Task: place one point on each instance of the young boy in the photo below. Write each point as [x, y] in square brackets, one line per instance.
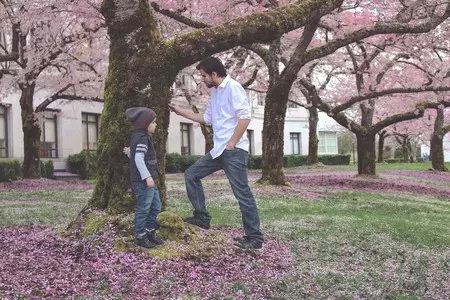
[143, 172]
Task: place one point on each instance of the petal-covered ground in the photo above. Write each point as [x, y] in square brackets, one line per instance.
[36, 263]
[44, 184]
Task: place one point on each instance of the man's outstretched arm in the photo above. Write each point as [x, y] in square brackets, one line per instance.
[196, 117]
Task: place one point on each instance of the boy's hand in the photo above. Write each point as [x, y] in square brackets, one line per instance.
[150, 182]
[126, 151]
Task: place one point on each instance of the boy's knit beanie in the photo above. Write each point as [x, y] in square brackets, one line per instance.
[140, 117]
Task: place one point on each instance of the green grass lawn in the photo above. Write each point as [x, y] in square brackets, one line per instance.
[346, 243]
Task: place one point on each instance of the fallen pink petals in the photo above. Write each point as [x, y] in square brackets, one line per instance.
[35, 262]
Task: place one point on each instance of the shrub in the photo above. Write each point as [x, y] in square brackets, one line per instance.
[10, 170]
[295, 160]
[47, 169]
[255, 161]
[176, 163]
[341, 159]
[83, 163]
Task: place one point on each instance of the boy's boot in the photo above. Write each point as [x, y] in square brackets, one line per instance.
[151, 234]
[144, 241]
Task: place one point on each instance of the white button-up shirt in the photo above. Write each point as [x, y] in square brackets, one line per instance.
[228, 105]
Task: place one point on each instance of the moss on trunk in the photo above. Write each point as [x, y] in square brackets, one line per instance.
[273, 138]
[31, 133]
[138, 75]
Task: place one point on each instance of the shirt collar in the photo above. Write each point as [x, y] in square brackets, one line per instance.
[224, 81]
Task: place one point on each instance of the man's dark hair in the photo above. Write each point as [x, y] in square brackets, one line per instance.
[212, 64]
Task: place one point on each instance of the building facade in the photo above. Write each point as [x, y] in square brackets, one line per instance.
[69, 127]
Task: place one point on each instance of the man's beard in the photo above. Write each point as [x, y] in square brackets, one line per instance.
[210, 85]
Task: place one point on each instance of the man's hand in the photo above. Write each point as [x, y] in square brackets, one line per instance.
[230, 146]
[175, 109]
[150, 182]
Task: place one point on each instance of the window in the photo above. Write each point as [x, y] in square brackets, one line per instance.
[328, 142]
[250, 141]
[185, 129]
[295, 143]
[48, 137]
[261, 97]
[291, 105]
[90, 125]
[3, 133]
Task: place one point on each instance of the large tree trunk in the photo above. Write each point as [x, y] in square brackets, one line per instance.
[31, 133]
[437, 143]
[381, 138]
[207, 131]
[139, 75]
[209, 137]
[273, 138]
[366, 154]
[313, 143]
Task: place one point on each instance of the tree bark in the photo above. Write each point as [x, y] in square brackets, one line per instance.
[381, 138]
[31, 133]
[313, 145]
[273, 139]
[139, 74]
[437, 143]
[366, 153]
[405, 150]
[206, 131]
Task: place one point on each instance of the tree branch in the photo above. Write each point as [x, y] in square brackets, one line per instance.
[59, 95]
[257, 27]
[341, 118]
[386, 92]
[417, 113]
[380, 28]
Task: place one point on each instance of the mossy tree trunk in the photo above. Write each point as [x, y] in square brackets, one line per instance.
[31, 132]
[142, 70]
[313, 144]
[437, 142]
[273, 138]
[139, 75]
[366, 153]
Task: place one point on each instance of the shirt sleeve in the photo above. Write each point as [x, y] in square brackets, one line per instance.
[207, 115]
[240, 103]
[139, 158]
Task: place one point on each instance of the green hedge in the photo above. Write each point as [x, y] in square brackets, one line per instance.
[13, 170]
[10, 170]
[47, 169]
[83, 163]
[176, 163]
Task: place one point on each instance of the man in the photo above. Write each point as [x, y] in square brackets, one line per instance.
[228, 111]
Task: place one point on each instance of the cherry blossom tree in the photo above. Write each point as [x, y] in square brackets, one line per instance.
[143, 65]
[352, 26]
[385, 75]
[280, 82]
[50, 48]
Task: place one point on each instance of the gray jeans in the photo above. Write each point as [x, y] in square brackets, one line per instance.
[234, 163]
